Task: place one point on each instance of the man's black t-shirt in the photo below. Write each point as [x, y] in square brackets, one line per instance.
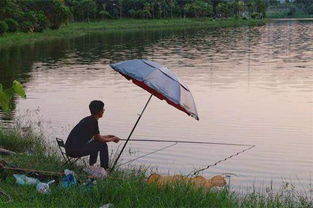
[82, 133]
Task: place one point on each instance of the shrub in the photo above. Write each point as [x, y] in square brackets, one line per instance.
[30, 16]
[12, 25]
[132, 13]
[26, 26]
[3, 27]
[44, 13]
[292, 10]
[29, 21]
[255, 15]
[105, 14]
[139, 13]
[223, 10]
[144, 14]
[198, 8]
[41, 22]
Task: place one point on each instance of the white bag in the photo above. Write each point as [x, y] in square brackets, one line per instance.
[97, 172]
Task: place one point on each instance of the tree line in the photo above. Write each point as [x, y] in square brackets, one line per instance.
[37, 15]
[32, 15]
[156, 9]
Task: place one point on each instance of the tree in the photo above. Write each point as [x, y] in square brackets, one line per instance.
[84, 10]
[54, 10]
[10, 9]
[310, 9]
[223, 10]
[260, 7]
[273, 2]
[304, 2]
[147, 8]
[199, 8]
[59, 15]
[239, 8]
[215, 3]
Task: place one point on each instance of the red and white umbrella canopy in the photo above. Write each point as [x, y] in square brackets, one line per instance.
[160, 82]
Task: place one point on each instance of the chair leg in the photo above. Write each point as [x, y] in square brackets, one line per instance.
[65, 163]
[72, 162]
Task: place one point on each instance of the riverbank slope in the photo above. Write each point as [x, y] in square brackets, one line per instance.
[124, 188]
[79, 29]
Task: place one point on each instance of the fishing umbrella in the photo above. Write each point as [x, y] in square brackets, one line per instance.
[160, 82]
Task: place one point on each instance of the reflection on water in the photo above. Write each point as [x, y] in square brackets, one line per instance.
[251, 85]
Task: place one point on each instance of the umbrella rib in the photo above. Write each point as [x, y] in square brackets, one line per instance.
[176, 80]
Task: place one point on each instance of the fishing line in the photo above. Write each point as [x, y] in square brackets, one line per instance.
[158, 150]
[186, 142]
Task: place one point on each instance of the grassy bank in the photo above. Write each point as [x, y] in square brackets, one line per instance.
[124, 189]
[284, 14]
[80, 29]
[287, 11]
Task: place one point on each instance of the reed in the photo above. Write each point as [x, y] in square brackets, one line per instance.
[21, 140]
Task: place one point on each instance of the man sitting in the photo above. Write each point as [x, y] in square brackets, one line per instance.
[85, 138]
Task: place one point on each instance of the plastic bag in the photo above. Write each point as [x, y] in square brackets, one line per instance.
[98, 172]
[44, 187]
[109, 205]
[69, 179]
[25, 180]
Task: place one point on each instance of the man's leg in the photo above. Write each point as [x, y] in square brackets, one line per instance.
[92, 150]
[104, 155]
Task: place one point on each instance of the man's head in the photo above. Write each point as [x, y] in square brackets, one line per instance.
[96, 108]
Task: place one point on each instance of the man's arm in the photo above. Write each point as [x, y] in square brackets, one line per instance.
[106, 138]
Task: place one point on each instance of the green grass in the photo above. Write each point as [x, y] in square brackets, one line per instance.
[80, 29]
[124, 189]
[21, 140]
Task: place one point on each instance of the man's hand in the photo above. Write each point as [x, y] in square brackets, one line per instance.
[111, 138]
[115, 139]
[106, 138]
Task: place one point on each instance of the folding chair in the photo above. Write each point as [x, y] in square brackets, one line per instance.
[68, 160]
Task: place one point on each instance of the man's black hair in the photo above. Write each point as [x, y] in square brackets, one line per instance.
[96, 106]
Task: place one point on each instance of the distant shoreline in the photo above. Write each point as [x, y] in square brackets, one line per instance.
[77, 29]
[292, 19]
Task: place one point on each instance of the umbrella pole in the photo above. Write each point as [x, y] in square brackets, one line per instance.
[118, 157]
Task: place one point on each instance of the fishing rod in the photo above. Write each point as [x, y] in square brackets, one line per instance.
[186, 142]
[150, 153]
[195, 172]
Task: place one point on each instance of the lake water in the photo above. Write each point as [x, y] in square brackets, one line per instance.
[250, 85]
